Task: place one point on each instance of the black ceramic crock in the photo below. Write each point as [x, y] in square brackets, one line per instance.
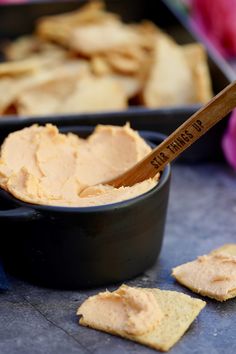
[73, 248]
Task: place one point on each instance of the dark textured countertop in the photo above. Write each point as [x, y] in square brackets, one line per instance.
[201, 217]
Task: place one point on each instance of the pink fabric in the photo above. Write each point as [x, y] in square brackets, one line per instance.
[229, 141]
[11, 1]
[217, 19]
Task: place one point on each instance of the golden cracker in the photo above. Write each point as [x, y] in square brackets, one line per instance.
[179, 311]
[212, 275]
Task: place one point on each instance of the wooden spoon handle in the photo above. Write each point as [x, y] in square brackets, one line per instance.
[184, 136]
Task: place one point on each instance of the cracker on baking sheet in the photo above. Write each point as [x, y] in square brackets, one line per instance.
[99, 65]
[49, 87]
[59, 28]
[170, 79]
[122, 48]
[212, 275]
[132, 85]
[27, 46]
[101, 37]
[93, 11]
[51, 92]
[8, 91]
[20, 48]
[146, 64]
[128, 60]
[31, 65]
[20, 67]
[136, 56]
[179, 312]
[11, 88]
[197, 60]
[69, 93]
[95, 94]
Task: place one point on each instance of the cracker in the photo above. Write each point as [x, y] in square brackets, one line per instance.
[70, 92]
[179, 312]
[26, 46]
[134, 57]
[19, 67]
[20, 48]
[128, 60]
[101, 37]
[125, 47]
[94, 94]
[212, 275]
[7, 93]
[28, 66]
[132, 85]
[59, 28]
[170, 79]
[11, 89]
[52, 93]
[120, 47]
[99, 65]
[197, 61]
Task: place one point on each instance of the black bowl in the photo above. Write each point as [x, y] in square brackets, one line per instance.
[72, 248]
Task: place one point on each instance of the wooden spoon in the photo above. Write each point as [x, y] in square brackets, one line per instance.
[184, 136]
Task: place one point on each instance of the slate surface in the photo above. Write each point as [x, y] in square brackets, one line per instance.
[202, 216]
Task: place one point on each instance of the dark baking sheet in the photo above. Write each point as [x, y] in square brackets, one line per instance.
[16, 20]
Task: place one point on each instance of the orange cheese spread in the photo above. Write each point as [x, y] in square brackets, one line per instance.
[127, 310]
[41, 166]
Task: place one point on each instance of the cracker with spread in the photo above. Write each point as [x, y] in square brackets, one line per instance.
[153, 317]
[212, 275]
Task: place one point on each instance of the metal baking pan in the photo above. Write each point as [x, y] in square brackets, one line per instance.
[19, 19]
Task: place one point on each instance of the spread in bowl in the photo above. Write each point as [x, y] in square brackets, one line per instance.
[39, 165]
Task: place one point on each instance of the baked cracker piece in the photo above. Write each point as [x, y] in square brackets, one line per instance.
[94, 94]
[170, 79]
[13, 88]
[197, 61]
[20, 67]
[72, 93]
[102, 37]
[29, 46]
[179, 311]
[60, 28]
[212, 275]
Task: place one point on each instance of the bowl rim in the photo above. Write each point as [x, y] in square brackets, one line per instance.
[165, 175]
